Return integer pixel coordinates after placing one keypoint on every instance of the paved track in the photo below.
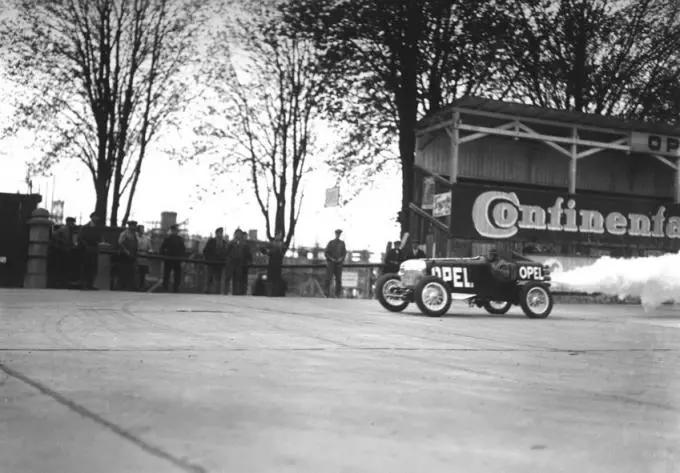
(111, 382)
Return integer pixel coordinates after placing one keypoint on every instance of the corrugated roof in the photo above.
(530, 111)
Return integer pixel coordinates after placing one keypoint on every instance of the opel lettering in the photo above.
(534, 273)
(501, 215)
(456, 275)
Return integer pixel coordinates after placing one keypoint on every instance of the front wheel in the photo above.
(497, 307)
(432, 296)
(536, 300)
(387, 289)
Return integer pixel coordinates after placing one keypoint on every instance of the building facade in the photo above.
(533, 180)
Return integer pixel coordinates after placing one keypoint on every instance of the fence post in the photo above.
(38, 248)
(104, 267)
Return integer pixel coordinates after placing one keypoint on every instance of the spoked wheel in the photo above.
(388, 289)
(536, 300)
(497, 307)
(433, 296)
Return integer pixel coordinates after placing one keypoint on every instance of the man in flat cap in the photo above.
(215, 254)
(414, 251)
(89, 238)
(173, 248)
(65, 258)
(335, 255)
(128, 246)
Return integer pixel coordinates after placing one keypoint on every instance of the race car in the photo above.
(487, 282)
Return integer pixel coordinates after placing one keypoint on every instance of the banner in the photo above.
(428, 193)
(442, 205)
(655, 144)
(332, 197)
(502, 213)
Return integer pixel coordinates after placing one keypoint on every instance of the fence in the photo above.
(305, 280)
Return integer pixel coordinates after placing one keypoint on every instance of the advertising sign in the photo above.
(350, 279)
(428, 193)
(442, 205)
(655, 144)
(501, 213)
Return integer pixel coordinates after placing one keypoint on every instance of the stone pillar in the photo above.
(103, 281)
(38, 247)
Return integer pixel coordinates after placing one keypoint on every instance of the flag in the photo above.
(332, 197)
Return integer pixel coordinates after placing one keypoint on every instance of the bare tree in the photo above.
(102, 79)
(266, 101)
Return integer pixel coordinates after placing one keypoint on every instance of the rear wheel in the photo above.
(432, 296)
(536, 300)
(497, 307)
(388, 289)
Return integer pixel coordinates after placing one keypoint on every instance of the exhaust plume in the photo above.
(654, 279)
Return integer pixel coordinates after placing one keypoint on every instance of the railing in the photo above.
(302, 279)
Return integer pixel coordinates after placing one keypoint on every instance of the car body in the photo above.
(493, 284)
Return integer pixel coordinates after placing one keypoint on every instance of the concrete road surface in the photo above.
(111, 382)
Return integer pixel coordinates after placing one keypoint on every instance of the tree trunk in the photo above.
(101, 188)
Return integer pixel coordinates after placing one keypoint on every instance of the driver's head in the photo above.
(493, 254)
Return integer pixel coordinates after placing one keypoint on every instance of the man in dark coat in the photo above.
(215, 254)
(335, 256)
(275, 251)
(239, 260)
(128, 246)
(173, 247)
(393, 258)
(414, 252)
(89, 237)
(65, 259)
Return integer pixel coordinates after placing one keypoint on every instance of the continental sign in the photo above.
(502, 213)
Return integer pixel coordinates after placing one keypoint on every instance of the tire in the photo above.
(499, 309)
(425, 304)
(382, 286)
(535, 295)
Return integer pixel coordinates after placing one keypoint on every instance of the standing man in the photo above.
(173, 247)
(128, 246)
(414, 252)
(239, 259)
(335, 255)
(215, 253)
(89, 237)
(393, 258)
(275, 251)
(64, 243)
(143, 249)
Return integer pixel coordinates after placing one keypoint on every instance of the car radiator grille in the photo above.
(410, 278)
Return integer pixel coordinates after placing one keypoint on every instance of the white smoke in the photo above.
(654, 279)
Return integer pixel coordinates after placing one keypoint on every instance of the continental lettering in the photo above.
(501, 215)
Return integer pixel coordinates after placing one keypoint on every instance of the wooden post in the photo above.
(677, 181)
(454, 136)
(104, 267)
(573, 162)
(38, 247)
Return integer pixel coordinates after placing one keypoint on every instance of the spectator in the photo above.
(64, 242)
(128, 246)
(414, 252)
(275, 250)
(393, 258)
(173, 248)
(239, 259)
(143, 249)
(89, 237)
(215, 254)
(335, 256)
